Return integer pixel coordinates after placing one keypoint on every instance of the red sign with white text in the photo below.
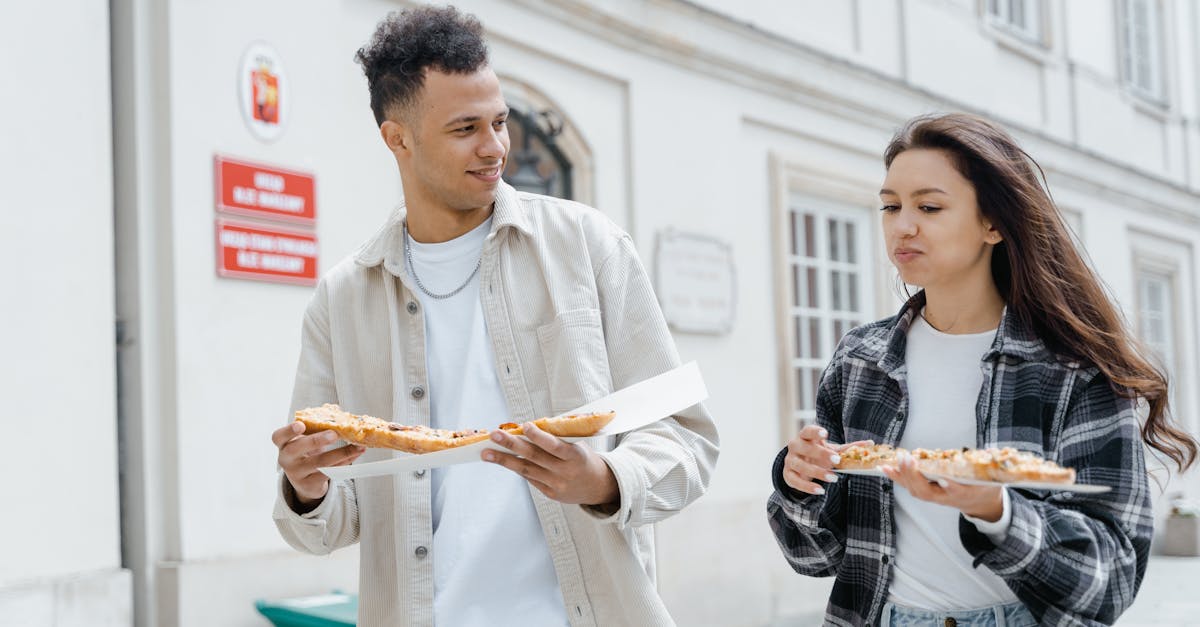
(264, 191)
(266, 253)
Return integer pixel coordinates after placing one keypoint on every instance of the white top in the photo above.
(933, 570)
(491, 564)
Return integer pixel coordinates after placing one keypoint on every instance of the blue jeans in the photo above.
(1013, 615)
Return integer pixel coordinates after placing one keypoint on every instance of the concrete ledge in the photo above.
(94, 599)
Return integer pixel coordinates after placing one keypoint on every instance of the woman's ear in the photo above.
(992, 236)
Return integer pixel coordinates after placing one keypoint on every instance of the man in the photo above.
(475, 303)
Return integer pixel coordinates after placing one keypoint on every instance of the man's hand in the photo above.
(565, 472)
(810, 458)
(984, 502)
(300, 456)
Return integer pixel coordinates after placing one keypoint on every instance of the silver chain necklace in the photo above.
(412, 269)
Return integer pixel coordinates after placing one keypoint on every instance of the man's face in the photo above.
(459, 141)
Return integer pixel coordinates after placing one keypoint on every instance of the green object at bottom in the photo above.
(326, 610)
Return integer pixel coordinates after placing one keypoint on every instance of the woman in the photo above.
(1010, 342)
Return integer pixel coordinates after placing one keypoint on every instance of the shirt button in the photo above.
(412, 307)
(421, 552)
(418, 392)
(885, 559)
(420, 473)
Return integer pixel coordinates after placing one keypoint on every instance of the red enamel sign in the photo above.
(266, 253)
(264, 191)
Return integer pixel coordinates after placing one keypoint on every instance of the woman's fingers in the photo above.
(906, 473)
(802, 484)
(809, 470)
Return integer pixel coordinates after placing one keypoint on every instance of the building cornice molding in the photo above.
(713, 44)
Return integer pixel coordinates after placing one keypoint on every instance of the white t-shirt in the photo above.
(491, 564)
(933, 570)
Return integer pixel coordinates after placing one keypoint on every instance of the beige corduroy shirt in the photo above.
(572, 317)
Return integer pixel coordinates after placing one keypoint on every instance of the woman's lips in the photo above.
(905, 255)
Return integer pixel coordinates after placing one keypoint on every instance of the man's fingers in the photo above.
(312, 445)
(286, 433)
(525, 448)
(549, 443)
(339, 456)
(305, 447)
(523, 467)
(550, 492)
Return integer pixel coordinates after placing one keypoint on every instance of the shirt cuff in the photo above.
(995, 531)
(285, 500)
(632, 493)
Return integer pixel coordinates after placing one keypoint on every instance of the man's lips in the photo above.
(489, 175)
(905, 254)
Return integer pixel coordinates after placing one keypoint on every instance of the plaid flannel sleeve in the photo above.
(1077, 559)
(811, 529)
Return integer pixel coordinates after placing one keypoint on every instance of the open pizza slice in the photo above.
(1003, 465)
(378, 433)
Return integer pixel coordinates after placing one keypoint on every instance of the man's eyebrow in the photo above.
(919, 192)
(463, 119)
(471, 118)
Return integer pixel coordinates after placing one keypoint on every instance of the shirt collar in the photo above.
(1013, 338)
(387, 245)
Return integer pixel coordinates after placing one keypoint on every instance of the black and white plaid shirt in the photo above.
(1072, 559)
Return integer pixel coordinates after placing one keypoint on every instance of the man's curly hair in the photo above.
(408, 42)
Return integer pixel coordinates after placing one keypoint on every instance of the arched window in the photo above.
(535, 163)
(547, 155)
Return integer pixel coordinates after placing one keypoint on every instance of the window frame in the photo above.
(1174, 260)
(1156, 91)
(800, 363)
(998, 15)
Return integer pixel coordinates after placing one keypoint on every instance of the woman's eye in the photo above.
(465, 129)
(889, 208)
(930, 208)
(500, 123)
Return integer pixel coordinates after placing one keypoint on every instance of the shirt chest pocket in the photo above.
(575, 358)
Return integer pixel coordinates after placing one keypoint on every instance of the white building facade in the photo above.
(758, 124)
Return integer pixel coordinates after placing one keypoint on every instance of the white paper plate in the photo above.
(1032, 485)
(636, 406)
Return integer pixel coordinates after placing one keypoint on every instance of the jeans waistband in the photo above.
(1010, 615)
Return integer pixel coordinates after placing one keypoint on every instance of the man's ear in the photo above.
(395, 135)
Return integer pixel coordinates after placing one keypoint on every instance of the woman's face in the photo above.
(935, 233)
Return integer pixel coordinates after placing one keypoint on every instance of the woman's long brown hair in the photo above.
(1044, 280)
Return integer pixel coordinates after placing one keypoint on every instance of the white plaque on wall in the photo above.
(694, 278)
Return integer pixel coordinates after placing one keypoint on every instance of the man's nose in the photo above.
(493, 144)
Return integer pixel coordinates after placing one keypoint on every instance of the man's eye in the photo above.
(465, 129)
(500, 123)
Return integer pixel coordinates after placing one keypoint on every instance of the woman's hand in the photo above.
(810, 458)
(978, 501)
